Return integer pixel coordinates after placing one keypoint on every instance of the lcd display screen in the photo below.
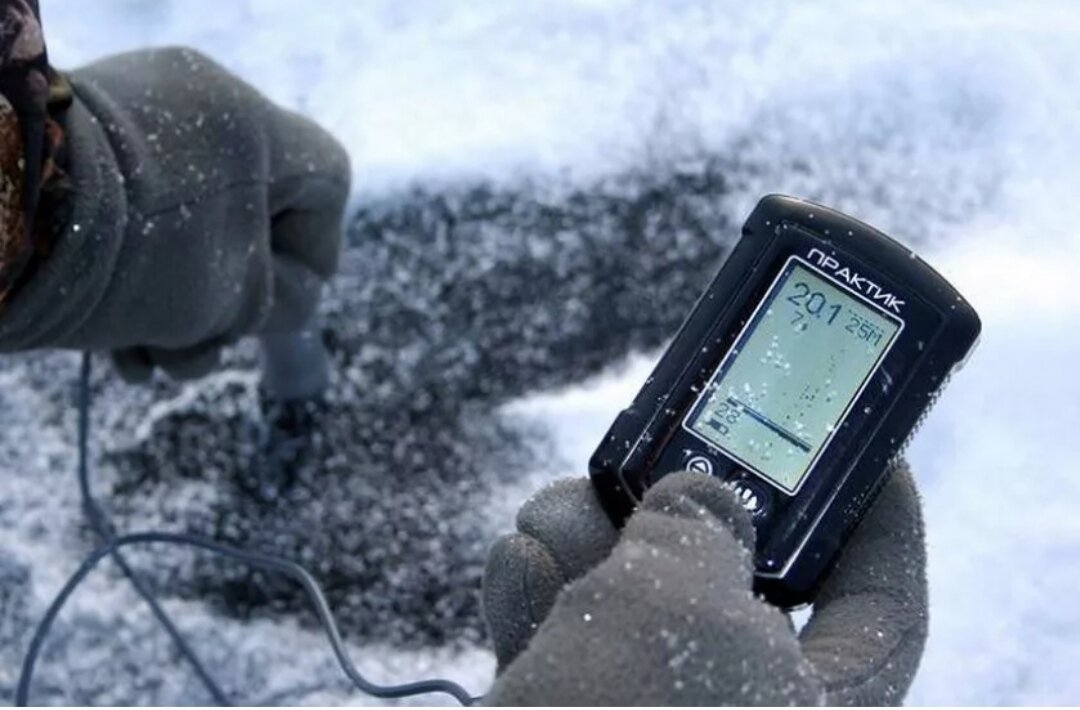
(792, 375)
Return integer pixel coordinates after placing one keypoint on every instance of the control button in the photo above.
(699, 464)
(749, 497)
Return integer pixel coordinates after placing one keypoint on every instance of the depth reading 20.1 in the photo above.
(814, 304)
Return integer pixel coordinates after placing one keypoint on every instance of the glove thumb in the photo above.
(669, 618)
(693, 517)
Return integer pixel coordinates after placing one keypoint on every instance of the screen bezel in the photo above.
(743, 335)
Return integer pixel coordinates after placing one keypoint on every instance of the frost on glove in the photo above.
(663, 613)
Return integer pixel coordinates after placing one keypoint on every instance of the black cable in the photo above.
(100, 523)
(251, 559)
(113, 544)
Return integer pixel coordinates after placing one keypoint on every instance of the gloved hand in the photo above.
(663, 613)
(198, 212)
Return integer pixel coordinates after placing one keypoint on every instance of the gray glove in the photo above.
(663, 614)
(198, 212)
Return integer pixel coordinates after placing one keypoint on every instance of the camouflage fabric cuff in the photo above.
(15, 247)
(30, 137)
(18, 246)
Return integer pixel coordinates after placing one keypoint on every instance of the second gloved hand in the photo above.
(663, 613)
(194, 212)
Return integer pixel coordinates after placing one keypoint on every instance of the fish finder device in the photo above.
(797, 379)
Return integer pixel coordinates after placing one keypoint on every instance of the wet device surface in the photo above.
(798, 378)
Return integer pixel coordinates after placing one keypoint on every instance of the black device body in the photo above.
(801, 526)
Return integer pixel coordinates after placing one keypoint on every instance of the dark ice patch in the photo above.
(448, 303)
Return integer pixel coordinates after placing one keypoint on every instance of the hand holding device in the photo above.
(664, 614)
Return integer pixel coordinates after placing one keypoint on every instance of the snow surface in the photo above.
(951, 125)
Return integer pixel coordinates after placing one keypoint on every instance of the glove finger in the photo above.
(187, 364)
(564, 532)
(869, 625)
(133, 365)
(567, 519)
(521, 582)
